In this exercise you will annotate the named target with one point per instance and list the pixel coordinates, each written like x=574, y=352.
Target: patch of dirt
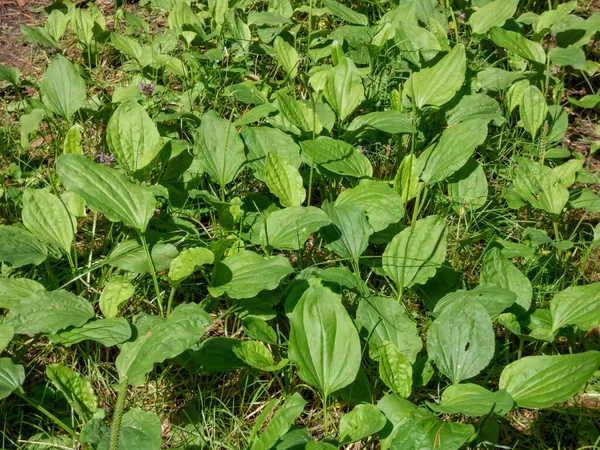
x=15, y=50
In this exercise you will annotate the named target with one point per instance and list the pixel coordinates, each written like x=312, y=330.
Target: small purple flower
x=106, y=158
x=462, y=16
x=147, y=89
x=363, y=150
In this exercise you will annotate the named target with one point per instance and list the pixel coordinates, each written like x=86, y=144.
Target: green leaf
x=187, y=262
x=257, y=355
x=9, y=74
x=7, y=332
x=78, y=391
x=456, y=146
x=349, y=232
x=38, y=35
x=518, y=44
x=494, y=14
x=344, y=90
x=49, y=312
x=257, y=328
x=391, y=122
x=140, y=430
x=576, y=305
x=107, y=332
x=72, y=143
x=219, y=148
x=587, y=101
x=262, y=140
x=289, y=228
x=540, y=186
x=12, y=376
x=468, y=187
x=324, y=345
x=346, y=14
x=131, y=48
x=184, y=21
x=298, y=114
x=287, y=56
x=549, y=18
x=384, y=319
x=494, y=299
x=14, y=290
x=161, y=339
x=542, y=381
x=533, y=110
x=500, y=272
x=406, y=181
x=473, y=400
x=381, y=202
x=245, y=274
x=570, y=56
x=567, y=172
x=395, y=370
x=116, y=292
x=361, y=422
x=62, y=88
x=461, y=340
x=284, y=181
x=476, y=107
x=107, y=191
x=282, y=421
x=238, y=29
x=415, y=253
x=337, y=156
x=132, y=136
x=130, y=255
x=437, y=85
x=30, y=123
x=48, y=219
x=415, y=42
x=586, y=199
x=19, y=247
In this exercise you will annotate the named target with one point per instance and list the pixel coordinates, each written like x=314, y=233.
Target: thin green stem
x=153, y=273
x=170, y=301
x=118, y=415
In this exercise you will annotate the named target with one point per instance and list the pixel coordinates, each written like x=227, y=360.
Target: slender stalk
x=153, y=273
x=90, y=256
x=118, y=415
x=170, y=301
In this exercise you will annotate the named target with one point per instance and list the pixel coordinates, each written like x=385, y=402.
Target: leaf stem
x=170, y=301
x=153, y=273
x=118, y=415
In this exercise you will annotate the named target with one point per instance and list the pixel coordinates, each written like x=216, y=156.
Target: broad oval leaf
x=282, y=421
x=262, y=140
x=257, y=355
x=140, y=430
x=361, y=422
x=160, y=339
x=107, y=332
x=437, y=85
x=540, y=186
x=395, y=370
x=473, y=400
x=341, y=11
x=414, y=254
x=349, y=231
x=116, y=292
x=344, y=90
x=298, y=114
x=78, y=391
x=468, y=187
x=494, y=299
x=576, y=305
x=245, y=274
x=284, y=181
x=130, y=255
x=187, y=262
x=7, y=332
x=337, y=156
x=461, y=340
x=48, y=219
x=14, y=290
x=132, y=136
x=219, y=148
x=19, y=247
x=62, y=88
x=287, y=56
x=542, y=381
x=289, y=228
x=324, y=344
x=106, y=190
x=517, y=43
x=384, y=319
x=533, y=110
x=12, y=376
x=499, y=271
x=381, y=202
x=456, y=146
x=493, y=14
x=49, y=312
